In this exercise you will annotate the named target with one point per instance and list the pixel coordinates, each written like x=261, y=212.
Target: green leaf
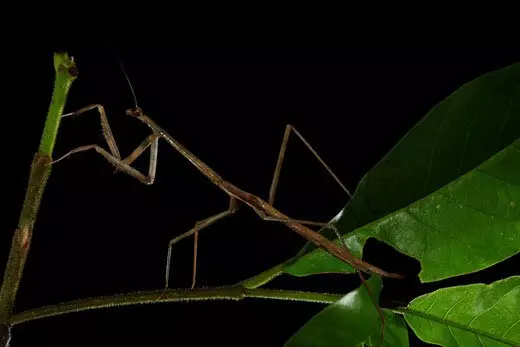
x=351, y=321
x=470, y=315
x=448, y=194
x=395, y=335
x=317, y=262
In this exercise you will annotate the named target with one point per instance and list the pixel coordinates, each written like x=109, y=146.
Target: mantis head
x=134, y=112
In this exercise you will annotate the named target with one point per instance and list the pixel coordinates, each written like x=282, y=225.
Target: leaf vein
x=468, y=132
x=448, y=236
x=392, y=193
x=458, y=302
x=496, y=178
x=472, y=208
x=433, y=153
x=433, y=303
x=453, y=335
x=478, y=332
x=492, y=306
x=511, y=327
x=506, y=118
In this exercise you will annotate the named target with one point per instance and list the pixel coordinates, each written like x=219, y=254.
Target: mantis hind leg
x=274, y=184
x=272, y=192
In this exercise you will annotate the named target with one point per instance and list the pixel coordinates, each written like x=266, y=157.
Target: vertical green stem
x=66, y=73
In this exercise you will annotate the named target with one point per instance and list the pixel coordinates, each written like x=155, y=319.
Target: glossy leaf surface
x=352, y=320
x=470, y=315
x=448, y=194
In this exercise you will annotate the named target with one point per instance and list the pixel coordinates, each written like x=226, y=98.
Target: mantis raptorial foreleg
x=115, y=157
x=105, y=127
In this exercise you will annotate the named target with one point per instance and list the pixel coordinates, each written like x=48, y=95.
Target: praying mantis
x=237, y=197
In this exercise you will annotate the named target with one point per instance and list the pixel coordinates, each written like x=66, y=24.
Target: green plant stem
x=236, y=292
x=65, y=74
x=264, y=277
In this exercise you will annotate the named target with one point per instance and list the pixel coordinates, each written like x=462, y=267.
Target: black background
x=100, y=233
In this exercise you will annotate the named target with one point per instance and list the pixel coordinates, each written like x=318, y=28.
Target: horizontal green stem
x=236, y=293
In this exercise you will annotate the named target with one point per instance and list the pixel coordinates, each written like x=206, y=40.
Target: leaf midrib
x=457, y=325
